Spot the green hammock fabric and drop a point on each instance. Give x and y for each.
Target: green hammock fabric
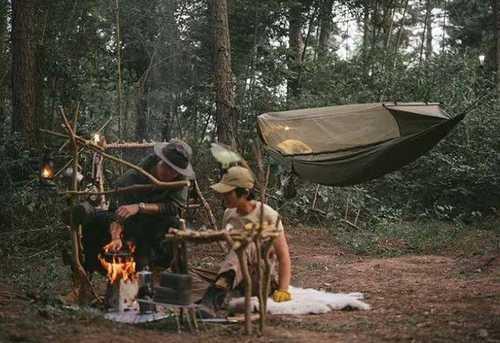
(349, 144)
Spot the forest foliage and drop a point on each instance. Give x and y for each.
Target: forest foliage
(149, 65)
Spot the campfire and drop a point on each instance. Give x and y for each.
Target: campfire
(122, 286)
(119, 265)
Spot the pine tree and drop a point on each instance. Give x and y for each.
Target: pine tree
(24, 69)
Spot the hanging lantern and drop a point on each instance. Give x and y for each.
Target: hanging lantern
(482, 59)
(47, 169)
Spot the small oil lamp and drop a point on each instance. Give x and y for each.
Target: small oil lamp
(47, 169)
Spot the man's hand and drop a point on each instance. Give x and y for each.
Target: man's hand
(115, 245)
(116, 230)
(281, 296)
(126, 211)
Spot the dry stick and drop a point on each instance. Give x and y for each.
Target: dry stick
(155, 181)
(357, 216)
(315, 197)
(103, 126)
(76, 116)
(186, 318)
(206, 205)
(242, 258)
(67, 164)
(183, 264)
(233, 237)
(267, 270)
(129, 145)
(75, 239)
(261, 296)
(211, 216)
(69, 140)
(133, 188)
(79, 151)
(267, 265)
(91, 146)
(53, 133)
(262, 283)
(76, 154)
(177, 321)
(74, 231)
(75, 121)
(264, 179)
(350, 224)
(347, 208)
(192, 313)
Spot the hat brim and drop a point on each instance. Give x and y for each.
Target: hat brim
(188, 171)
(222, 187)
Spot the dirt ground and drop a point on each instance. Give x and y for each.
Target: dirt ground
(413, 298)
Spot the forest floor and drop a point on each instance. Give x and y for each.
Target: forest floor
(453, 295)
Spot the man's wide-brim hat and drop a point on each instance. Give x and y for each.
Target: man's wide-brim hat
(177, 154)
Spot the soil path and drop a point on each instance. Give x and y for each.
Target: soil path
(413, 298)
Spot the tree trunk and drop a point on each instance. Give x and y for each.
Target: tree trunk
(3, 63)
(389, 12)
(366, 40)
(141, 108)
(296, 46)
(366, 30)
(226, 116)
(173, 39)
(401, 28)
(326, 26)
(385, 17)
(23, 70)
(375, 24)
(119, 81)
(426, 20)
(428, 38)
(496, 11)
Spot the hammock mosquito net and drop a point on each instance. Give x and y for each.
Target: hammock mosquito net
(349, 144)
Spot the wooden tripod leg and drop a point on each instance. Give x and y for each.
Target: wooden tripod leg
(242, 258)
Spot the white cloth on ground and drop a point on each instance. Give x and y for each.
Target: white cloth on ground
(307, 301)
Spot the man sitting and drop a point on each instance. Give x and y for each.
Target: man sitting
(142, 217)
(237, 191)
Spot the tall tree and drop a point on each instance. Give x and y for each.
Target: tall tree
(401, 26)
(296, 46)
(428, 33)
(496, 11)
(142, 38)
(366, 29)
(24, 69)
(3, 60)
(325, 27)
(428, 9)
(226, 116)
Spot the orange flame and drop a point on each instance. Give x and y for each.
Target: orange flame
(120, 268)
(47, 172)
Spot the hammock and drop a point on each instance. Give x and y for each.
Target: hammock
(349, 144)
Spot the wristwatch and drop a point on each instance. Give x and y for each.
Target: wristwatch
(142, 207)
